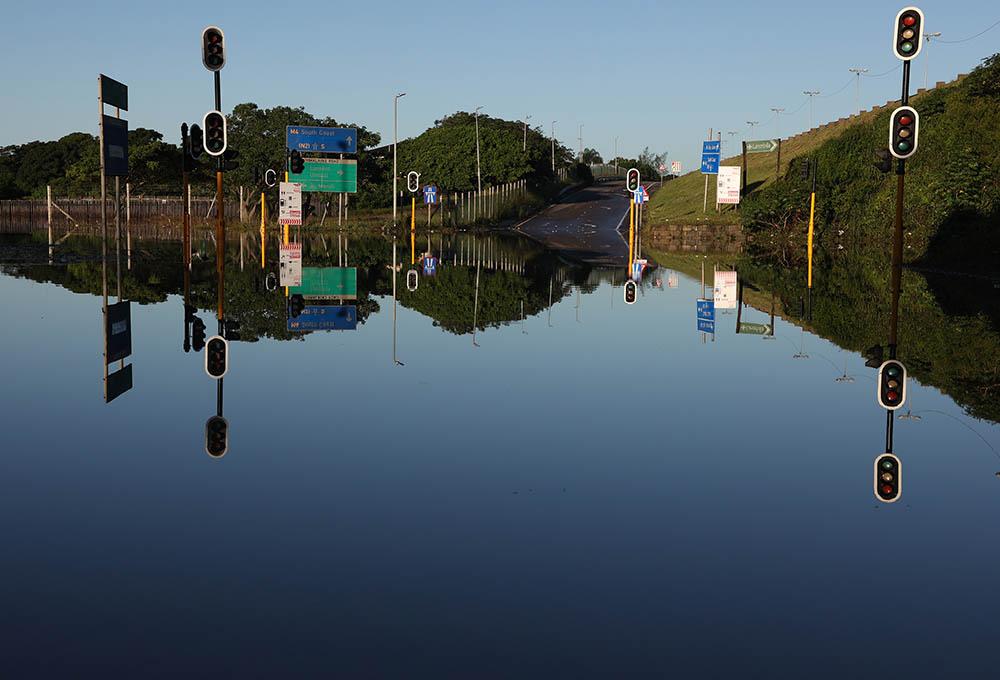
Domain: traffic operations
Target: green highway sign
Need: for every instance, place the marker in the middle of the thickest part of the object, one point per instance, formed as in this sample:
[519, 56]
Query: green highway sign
[762, 146]
[334, 175]
[755, 329]
[114, 93]
[327, 283]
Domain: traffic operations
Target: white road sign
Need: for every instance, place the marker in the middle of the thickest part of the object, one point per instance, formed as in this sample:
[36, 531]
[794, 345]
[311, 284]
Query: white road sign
[675, 167]
[290, 264]
[728, 185]
[290, 204]
[725, 289]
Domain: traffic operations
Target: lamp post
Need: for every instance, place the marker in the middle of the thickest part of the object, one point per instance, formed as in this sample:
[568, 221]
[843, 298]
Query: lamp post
[752, 123]
[395, 141]
[479, 173]
[777, 121]
[927, 39]
[858, 71]
[580, 138]
[616, 156]
[554, 146]
[524, 144]
[811, 94]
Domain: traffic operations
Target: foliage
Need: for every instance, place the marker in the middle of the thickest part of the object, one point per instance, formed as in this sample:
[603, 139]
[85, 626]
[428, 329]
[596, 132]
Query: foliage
[591, 157]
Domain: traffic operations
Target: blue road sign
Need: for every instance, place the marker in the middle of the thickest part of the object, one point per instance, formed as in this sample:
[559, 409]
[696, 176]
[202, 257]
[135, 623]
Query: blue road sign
[706, 326]
[711, 152]
[705, 309]
[321, 139]
[640, 195]
[430, 194]
[325, 318]
[430, 266]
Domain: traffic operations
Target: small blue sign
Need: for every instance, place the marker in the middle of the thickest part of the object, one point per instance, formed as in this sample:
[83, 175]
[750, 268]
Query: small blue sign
[705, 309]
[321, 139]
[711, 153]
[430, 194]
[706, 326]
[430, 266]
[711, 147]
[325, 318]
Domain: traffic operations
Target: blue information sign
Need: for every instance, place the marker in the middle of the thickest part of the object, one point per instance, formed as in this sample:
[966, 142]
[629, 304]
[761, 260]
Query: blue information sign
[430, 194]
[706, 326]
[706, 309]
[325, 318]
[430, 266]
[321, 139]
[711, 152]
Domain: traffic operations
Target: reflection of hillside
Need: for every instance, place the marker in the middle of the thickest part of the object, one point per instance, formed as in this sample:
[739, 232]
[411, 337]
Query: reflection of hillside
[954, 353]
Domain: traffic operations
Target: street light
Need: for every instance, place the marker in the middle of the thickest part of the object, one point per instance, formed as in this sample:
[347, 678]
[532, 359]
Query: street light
[777, 122]
[858, 71]
[554, 146]
[479, 172]
[752, 123]
[927, 39]
[395, 141]
[810, 94]
[616, 156]
[580, 138]
[524, 144]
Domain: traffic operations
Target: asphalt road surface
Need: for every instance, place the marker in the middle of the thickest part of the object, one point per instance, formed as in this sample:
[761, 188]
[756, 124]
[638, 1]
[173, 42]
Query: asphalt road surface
[584, 226]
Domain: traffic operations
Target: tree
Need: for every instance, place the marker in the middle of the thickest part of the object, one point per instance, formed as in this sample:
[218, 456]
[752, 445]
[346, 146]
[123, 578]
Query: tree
[592, 157]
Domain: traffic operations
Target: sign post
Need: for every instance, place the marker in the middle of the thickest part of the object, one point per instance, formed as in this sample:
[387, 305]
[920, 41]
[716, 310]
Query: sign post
[290, 203]
[290, 264]
[711, 153]
[705, 315]
[728, 185]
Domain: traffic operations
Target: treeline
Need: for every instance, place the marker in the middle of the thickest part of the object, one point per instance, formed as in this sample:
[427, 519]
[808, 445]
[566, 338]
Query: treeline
[445, 154]
[952, 183]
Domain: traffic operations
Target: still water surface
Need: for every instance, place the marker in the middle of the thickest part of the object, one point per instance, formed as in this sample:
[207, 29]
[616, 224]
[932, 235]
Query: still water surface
[599, 491]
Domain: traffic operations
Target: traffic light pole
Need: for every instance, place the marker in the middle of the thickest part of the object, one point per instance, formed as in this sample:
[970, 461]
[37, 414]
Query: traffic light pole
[896, 274]
[220, 222]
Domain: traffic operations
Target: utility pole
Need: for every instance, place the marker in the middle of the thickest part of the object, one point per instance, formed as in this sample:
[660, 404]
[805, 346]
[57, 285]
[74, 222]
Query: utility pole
[524, 145]
[580, 138]
[616, 156]
[395, 141]
[858, 71]
[554, 146]
[927, 39]
[777, 122]
[811, 94]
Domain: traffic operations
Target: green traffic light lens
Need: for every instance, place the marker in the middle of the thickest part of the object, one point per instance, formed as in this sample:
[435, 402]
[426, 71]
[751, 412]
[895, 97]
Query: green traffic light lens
[903, 146]
[887, 464]
[906, 47]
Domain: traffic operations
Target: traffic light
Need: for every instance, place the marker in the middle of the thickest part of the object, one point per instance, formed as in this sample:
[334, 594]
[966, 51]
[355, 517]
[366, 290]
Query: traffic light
[230, 157]
[630, 292]
[412, 280]
[891, 385]
[883, 160]
[216, 357]
[888, 480]
[213, 48]
[232, 330]
[216, 436]
[903, 132]
[215, 133]
[197, 142]
[413, 182]
[632, 180]
[295, 164]
[296, 305]
[198, 334]
[907, 36]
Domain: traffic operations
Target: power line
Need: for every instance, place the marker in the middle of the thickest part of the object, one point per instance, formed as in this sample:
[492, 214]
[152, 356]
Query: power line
[884, 73]
[955, 42]
[833, 94]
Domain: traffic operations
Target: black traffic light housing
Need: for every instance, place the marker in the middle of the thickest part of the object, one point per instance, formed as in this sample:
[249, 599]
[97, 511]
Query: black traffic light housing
[216, 357]
[907, 34]
[412, 280]
[198, 334]
[229, 159]
[888, 479]
[213, 48]
[632, 180]
[883, 161]
[631, 290]
[296, 305]
[891, 385]
[215, 133]
[295, 163]
[413, 181]
[197, 142]
[216, 436]
[903, 127]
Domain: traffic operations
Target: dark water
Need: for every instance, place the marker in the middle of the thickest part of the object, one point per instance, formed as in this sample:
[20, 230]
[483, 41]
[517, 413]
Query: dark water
[599, 491]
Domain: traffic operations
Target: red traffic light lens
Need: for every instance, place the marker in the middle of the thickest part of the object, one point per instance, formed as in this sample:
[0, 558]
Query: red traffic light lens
[905, 120]
[886, 490]
[892, 395]
[910, 20]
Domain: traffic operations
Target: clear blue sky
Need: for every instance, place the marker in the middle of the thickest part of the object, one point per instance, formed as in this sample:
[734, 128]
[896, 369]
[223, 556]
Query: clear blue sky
[654, 73]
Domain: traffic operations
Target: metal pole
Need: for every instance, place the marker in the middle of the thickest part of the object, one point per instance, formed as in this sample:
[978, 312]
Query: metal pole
[897, 234]
[554, 146]
[395, 142]
[479, 172]
[524, 144]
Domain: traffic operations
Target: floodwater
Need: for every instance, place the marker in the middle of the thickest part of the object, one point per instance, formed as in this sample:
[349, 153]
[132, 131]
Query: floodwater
[599, 490]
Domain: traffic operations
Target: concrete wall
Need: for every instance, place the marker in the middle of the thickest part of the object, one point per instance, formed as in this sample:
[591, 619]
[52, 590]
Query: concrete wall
[679, 238]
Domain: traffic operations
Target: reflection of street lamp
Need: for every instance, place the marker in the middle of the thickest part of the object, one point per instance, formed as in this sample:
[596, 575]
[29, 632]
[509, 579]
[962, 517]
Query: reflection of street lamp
[475, 313]
[395, 361]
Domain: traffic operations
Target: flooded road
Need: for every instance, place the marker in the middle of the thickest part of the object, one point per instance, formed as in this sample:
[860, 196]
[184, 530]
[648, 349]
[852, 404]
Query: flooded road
[601, 487]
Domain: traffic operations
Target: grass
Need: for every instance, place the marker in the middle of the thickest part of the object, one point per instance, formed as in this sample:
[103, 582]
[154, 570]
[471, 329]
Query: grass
[680, 201]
